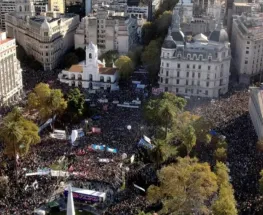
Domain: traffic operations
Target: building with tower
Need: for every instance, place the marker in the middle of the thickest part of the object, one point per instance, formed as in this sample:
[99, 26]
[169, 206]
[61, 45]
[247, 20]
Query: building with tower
[197, 66]
[91, 73]
[47, 38]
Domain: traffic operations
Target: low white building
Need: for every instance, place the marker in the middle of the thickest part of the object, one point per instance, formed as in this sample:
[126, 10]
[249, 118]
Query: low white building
[195, 67]
[11, 85]
[255, 108]
[91, 73]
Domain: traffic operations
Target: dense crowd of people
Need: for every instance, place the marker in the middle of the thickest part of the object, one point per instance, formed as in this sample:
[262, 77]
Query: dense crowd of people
[230, 117]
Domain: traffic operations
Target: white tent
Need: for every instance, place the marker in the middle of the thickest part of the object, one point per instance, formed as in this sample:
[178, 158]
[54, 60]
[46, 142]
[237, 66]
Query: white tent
[74, 135]
[70, 203]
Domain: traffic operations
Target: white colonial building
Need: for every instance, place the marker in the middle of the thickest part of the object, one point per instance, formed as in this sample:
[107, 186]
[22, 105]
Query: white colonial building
[11, 85]
[246, 44]
[197, 66]
[91, 73]
[255, 108]
[47, 38]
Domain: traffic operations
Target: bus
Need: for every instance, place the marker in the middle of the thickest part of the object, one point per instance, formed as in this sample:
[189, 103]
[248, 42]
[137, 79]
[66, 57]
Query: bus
[86, 196]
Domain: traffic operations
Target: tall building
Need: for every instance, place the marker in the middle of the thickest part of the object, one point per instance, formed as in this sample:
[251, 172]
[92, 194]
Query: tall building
[6, 6]
[46, 38]
[10, 72]
[41, 6]
[255, 108]
[150, 10]
[195, 67]
[88, 7]
[56, 5]
[246, 44]
[110, 31]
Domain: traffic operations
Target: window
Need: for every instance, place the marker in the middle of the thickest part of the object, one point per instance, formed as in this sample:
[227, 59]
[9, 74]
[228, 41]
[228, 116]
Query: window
[167, 64]
[193, 83]
[188, 56]
[194, 57]
[208, 76]
[247, 52]
[168, 55]
[193, 75]
[207, 84]
[199, 75]
[209, 67]
[166, 80]
[193, 66]
[177, 81]
[177, 90]
[186, 83]
[161, 80]
[90, 56]
[185, 90]
[200, 57]
[187, 66]
[45, 34]
[167, 73]
[209, 58]
[178, 65]
[206, 92]
[248, 42]
[178, 73]
[246, 62]
[162, 63]
[198, 83]
[166, 89]
[187, 74]
[199, 67]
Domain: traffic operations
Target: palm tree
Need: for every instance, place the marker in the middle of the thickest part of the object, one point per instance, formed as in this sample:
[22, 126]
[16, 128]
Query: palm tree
[18, 134]
[11, 133]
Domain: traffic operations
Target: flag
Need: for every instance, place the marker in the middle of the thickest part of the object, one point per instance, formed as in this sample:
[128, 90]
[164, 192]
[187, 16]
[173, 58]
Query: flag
[132, 158]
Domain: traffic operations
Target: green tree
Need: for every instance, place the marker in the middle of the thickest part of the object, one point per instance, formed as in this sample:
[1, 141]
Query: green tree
[80, 53]
[163, 110]
[148, 33]
[166, 6]
[109, 57]
[220, 154]
[260, 145]
[188, 138]
[18, 134]
[225, 202]
[163, 23]
[76, 104]
[185, 188]
[70, 59]
[46, 101]
[143, 213]
[135, 55]
[151, 59]
[125, 66]
[202, 128]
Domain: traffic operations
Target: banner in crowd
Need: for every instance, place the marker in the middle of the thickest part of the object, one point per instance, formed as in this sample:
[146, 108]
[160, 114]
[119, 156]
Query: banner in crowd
[157, 91]
[108, 149]
[127, 106]
[140, 86]
[97, 147]
[96, 130]
[145, 144]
